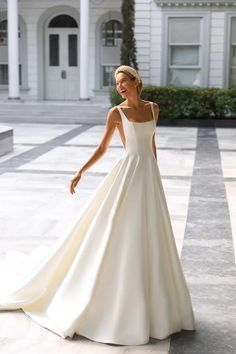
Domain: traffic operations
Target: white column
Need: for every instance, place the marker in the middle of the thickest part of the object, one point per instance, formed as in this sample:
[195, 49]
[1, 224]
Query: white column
[84, 49]
[13, 50]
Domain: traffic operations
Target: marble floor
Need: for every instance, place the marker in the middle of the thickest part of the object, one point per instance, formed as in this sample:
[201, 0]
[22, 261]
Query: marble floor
[36, 208]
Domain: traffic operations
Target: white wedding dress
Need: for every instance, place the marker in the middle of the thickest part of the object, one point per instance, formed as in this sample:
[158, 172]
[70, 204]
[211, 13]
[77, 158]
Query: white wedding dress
[115, 277]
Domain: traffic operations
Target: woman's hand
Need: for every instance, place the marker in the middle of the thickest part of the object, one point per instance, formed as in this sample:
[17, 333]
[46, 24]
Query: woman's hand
[74, 182]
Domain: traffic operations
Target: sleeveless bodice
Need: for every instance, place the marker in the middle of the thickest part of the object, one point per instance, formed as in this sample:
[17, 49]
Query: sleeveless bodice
[138, 135]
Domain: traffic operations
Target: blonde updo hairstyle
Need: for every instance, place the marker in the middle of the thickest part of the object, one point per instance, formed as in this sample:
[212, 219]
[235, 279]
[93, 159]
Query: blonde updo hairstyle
[133, 75]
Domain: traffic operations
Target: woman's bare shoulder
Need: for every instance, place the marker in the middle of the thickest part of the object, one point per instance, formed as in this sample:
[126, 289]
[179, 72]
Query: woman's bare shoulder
[156, 106]
[150, 102]
[113, 116]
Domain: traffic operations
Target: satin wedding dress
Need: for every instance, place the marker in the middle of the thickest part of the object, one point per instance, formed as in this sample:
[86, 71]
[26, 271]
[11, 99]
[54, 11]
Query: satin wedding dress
[115, 277]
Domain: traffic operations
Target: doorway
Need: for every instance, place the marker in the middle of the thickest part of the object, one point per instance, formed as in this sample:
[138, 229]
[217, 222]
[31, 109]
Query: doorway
[61, 59]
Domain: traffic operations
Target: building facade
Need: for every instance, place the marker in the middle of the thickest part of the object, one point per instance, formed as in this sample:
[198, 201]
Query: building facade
[67, 50]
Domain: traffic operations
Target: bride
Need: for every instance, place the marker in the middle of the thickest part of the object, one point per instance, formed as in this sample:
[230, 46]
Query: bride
[116, 276]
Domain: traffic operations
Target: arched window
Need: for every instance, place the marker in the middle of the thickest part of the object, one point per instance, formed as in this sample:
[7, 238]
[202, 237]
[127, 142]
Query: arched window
[111, 33]
[111, 38]
[63, 21]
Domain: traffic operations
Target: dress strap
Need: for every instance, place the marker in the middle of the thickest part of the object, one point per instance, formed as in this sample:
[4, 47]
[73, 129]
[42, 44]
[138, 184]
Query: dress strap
[153, 113]
[118, 109]
[122, 114]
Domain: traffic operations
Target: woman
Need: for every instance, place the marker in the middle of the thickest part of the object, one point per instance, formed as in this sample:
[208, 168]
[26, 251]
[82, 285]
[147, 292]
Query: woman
[116, 277]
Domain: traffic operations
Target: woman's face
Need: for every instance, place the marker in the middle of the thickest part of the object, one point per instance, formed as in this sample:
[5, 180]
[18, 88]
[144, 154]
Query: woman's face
[125, 85]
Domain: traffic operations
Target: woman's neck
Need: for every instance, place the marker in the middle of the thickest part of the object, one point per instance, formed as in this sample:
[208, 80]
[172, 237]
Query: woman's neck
[134, 102]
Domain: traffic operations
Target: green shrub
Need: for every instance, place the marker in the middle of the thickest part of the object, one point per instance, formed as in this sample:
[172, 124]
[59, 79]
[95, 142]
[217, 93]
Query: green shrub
[184, 102]
[225, 103]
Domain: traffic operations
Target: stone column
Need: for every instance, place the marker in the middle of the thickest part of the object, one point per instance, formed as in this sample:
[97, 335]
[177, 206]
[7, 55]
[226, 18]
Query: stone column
[84, 49]
[13, 50]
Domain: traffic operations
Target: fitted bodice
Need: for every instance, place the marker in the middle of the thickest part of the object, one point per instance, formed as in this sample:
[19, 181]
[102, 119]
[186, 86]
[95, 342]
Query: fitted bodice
[138, 135]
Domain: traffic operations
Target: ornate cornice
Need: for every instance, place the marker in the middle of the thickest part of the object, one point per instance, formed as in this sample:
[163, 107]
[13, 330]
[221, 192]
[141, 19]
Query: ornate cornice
[196, 3]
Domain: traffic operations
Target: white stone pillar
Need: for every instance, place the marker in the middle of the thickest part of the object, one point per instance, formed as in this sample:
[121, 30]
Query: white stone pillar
[84, 49]
[13, 50]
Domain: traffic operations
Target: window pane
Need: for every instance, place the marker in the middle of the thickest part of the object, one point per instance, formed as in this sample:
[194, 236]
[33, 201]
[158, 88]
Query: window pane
[184, 30]
[184, 77]
[108, 75]
[108, 34]
[111, 33]
[4, 74]
[234, 55]
[3, 33]
[54, 50]
[233, 78]
[3, 38]
[233, 30]
[72, 38]
[184, 55]
[63, 21]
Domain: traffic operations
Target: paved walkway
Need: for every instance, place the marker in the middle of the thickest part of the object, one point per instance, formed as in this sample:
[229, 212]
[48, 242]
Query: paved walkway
[199, 177]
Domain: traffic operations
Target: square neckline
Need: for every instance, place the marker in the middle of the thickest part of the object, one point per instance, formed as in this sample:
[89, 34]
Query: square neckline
[130, 121]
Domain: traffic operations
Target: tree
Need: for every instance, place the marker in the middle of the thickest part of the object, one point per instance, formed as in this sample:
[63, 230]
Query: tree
[128, 47]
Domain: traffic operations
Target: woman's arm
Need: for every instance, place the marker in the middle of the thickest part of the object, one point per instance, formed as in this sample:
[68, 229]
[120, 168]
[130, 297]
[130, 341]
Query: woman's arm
[110, 126]
[156, 112]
